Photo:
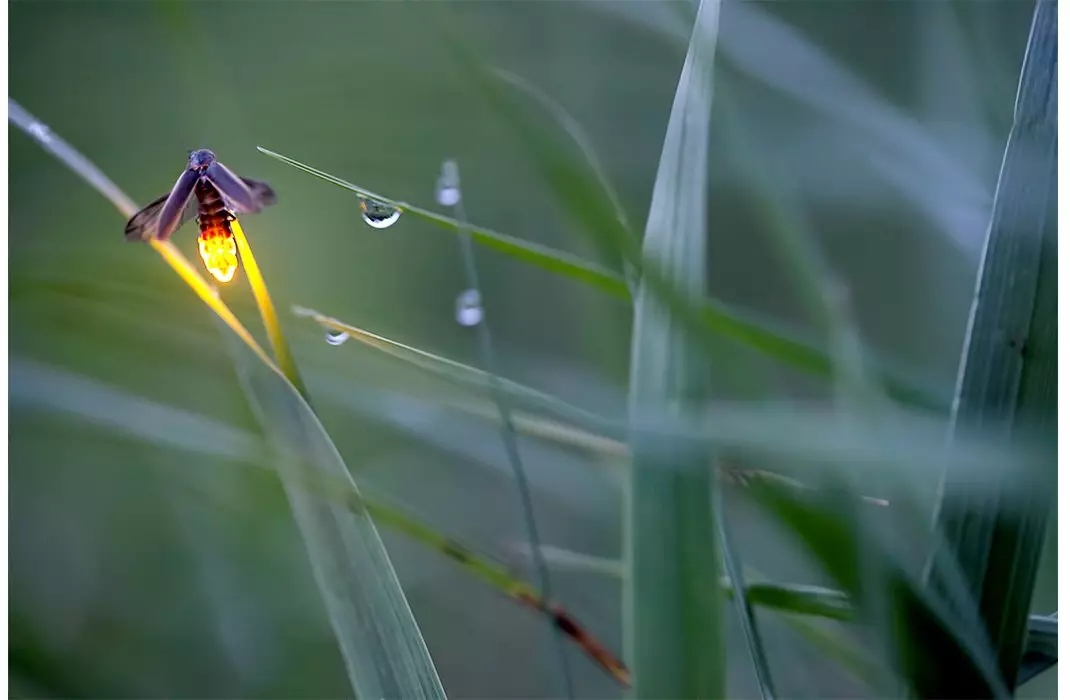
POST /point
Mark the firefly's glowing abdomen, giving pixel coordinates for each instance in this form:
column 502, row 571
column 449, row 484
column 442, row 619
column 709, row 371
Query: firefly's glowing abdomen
column 218, row 249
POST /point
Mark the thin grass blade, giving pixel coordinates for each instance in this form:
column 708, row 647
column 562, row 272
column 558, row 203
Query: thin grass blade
column 707, row 318
column 267, row 310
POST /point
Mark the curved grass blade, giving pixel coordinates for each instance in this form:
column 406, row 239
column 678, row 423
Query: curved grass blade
column 572, row 127
column 349, row 560
column 1007, row 376
column 704, row 317
column 541, row 256
column 381, row 644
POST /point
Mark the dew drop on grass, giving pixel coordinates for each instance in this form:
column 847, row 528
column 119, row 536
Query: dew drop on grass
column 378, row 214
column 469, row 308
column 336, row 337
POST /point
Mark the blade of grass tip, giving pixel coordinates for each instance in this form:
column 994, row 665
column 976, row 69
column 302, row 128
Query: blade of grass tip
column 267, row 310
column 541, row 256
column 406, row 670
column 508, row 431
column 572, row 127
column 92, row 175
column 1006, row 383
column 381, row 644
column 674, row 627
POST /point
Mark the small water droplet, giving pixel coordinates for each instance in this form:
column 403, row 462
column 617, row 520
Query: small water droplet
column 336, row 337
column 41, row 132
column 448, row 185
column 378, row 214
column 469, row 308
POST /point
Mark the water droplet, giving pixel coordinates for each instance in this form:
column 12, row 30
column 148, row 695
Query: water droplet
column 448, row 196
column 469, row 308
column 378, row 214
column 336, row 337
column 41, row 132
column 448, row 186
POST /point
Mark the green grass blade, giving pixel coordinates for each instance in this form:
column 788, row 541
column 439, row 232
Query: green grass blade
column 464, row 374
column 1007, row 381
column 674, row 624
column 385, row 653
column 708, row 318
column 533, row 253
column 572, row 127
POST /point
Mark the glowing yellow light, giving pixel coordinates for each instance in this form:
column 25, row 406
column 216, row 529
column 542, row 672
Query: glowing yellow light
column 220, row 256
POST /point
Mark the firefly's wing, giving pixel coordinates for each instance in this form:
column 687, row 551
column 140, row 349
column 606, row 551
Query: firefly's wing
column 237, row 194
column 142, row 226
column 262, row 191
column 176, row 203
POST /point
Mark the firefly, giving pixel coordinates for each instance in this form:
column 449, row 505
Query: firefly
column 208, row 191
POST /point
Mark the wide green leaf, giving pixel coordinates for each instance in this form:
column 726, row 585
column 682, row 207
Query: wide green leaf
column 1007, row 381
column 674, row 620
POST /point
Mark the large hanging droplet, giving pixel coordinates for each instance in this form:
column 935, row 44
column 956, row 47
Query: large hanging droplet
column 469, row 308
column 336, row 337
column 378, row 214
column 448, row 186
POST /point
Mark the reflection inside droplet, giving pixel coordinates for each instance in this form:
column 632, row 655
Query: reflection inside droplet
column 336, row 337
column 378, row 214
column 469, row 308
column 448, row 196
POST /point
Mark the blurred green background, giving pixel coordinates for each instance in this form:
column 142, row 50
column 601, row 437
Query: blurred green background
column 145, row 561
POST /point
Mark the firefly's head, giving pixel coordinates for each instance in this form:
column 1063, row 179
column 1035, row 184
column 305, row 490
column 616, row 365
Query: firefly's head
column 200, row 160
